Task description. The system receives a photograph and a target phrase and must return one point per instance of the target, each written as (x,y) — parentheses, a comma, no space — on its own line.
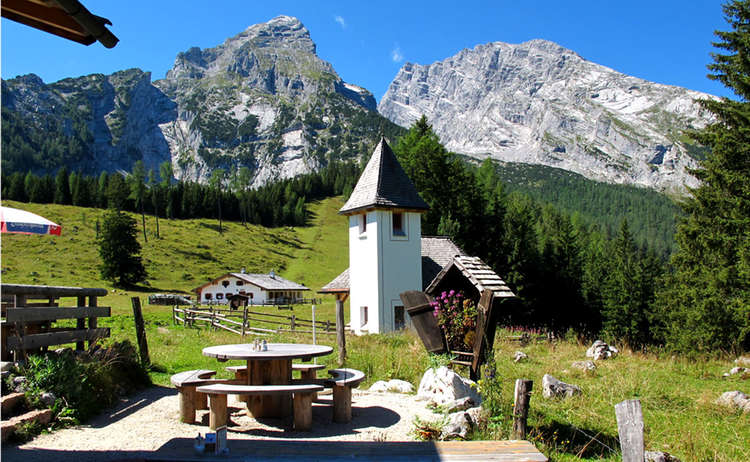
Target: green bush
(84,384)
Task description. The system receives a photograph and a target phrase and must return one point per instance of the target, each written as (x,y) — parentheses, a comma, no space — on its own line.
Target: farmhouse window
(362,315)
(219,296)
(225,283)
(208,296)
(229,295)
(398,224)
(240,283)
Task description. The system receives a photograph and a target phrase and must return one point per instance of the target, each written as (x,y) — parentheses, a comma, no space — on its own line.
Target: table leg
(273,372)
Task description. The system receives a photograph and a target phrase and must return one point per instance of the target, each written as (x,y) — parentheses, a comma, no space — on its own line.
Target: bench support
(303,411)
(187,403)
(342,404)
(217,416)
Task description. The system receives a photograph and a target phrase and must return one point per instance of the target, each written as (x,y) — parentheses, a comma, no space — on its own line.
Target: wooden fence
(29,313)
(243,321)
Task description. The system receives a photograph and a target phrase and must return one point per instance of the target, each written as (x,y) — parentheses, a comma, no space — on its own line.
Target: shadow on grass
(580,442)
(199,255)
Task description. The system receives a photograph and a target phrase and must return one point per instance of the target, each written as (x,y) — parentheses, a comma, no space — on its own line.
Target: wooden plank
(51,291)
(56,338)
(51,314)
(485,332)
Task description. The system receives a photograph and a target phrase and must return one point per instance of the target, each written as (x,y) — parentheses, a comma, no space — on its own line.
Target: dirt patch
(147,424)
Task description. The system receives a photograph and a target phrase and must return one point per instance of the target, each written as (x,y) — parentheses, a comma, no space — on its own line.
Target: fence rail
(244,321)
(29,313)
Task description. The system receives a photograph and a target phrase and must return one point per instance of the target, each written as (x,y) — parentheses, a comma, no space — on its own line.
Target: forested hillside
(651,215)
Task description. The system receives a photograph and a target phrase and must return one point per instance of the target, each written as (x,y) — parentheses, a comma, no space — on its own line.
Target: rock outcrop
(539,103)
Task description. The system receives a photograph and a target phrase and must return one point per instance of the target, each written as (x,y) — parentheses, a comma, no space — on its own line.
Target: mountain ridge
(540,103)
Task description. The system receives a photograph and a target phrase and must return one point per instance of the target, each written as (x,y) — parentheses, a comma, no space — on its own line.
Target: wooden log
(140,331)
(630,428)
(340,332)
(28,342)
(273,372)
(187,403)
(303,411)
(201,401)
(52,314)
(342,404)
(217,415)
(521,399)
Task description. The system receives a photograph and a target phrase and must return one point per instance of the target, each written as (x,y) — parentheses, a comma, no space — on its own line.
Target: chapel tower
(385,231)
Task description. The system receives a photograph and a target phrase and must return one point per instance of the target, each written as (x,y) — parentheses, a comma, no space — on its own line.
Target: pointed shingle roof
(383,184)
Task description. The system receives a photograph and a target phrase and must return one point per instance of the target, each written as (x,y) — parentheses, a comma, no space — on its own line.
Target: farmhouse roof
(383,184)
(339,285)
(269,281)
(476,271)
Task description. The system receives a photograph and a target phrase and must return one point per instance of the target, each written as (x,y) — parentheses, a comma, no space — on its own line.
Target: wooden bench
(307,371)
(190,400)
(342,382)
(302,400)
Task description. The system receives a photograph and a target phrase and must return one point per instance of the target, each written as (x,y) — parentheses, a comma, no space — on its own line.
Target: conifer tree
(137,180)
(708,302)
(120,251)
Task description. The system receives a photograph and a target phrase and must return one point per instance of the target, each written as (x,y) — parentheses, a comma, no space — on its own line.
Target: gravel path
(149,422)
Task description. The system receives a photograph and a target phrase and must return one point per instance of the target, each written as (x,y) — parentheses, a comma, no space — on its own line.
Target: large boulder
(551,387)
(735,400)
(458,426)
(443,386)
(600,350)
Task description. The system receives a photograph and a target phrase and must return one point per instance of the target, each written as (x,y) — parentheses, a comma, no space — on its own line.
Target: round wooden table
(270,367)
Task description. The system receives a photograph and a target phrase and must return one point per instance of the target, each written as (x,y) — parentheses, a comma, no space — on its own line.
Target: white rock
(585,366)
(461,405)
(393,386)
(735,399)
(444,386)
(520,356)
(381,386)
(458,426)
(600,350)
(551,387)
(657,456)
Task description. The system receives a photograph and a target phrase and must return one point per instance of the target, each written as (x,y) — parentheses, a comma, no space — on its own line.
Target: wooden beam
(485,331)
(51,314)
(28,342)
(49,19)
(50,291)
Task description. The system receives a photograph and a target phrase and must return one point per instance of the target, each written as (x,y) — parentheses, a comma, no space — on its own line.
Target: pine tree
(708,301)
(137,180)
(120,251)
(62,187)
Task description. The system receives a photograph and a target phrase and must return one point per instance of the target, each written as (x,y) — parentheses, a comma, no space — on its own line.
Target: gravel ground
(147,425)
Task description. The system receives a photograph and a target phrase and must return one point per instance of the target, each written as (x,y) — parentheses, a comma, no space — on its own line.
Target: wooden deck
(181,449)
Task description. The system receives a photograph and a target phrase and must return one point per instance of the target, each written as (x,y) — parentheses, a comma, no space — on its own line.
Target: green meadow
(677,394)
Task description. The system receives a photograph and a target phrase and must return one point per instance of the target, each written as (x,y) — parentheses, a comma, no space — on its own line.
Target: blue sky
(666,41)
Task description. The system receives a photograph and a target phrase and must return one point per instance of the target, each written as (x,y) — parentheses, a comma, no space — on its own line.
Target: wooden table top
(275,351)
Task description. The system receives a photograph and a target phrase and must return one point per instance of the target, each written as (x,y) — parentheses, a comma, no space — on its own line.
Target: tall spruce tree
(708,301)
(120,251)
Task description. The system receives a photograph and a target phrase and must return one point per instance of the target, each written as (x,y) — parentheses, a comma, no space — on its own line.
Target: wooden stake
(340,334)
(140,331)
(521,400)
(630,427)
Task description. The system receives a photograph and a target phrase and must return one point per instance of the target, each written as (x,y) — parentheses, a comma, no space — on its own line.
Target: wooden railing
(28,313)
(243,321)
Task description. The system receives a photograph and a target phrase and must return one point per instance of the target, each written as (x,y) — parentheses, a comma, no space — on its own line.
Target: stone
(520,356)
(19,384)
(392,386)
(735,400)
(460,405)
(478,416)
(48,398)
(458,426)
(743,361)
(600,350)
(657,456)
(551,387)
(585,366)
(43,417)
(444,386)
(9,402)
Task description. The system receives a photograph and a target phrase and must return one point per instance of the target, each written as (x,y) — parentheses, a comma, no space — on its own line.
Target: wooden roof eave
(370,208)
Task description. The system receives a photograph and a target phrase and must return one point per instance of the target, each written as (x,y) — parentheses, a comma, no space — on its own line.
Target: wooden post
(293,318)
(140,331)
(93,324)
(340,334)
(80,322)
(630,427)
(244,321)
(485,332)
(521,400)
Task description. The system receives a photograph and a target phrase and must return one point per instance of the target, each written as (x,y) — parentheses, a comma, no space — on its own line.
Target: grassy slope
(677,395)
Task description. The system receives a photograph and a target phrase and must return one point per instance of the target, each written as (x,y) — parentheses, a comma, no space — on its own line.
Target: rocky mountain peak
(540,103)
